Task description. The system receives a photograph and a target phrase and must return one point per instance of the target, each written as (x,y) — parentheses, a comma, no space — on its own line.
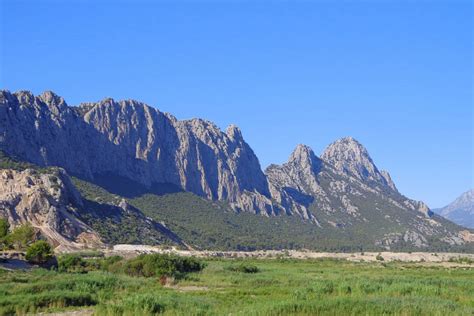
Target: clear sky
(396,75)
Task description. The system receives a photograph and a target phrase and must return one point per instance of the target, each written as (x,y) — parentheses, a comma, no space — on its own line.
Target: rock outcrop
(49,202)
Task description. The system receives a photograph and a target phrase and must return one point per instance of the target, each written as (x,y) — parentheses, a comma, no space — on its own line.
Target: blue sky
(396,75)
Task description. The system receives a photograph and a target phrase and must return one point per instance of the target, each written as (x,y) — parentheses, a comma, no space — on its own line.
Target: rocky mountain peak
(349,157)
(303,155)
(50,97)
(346,149)
(5,96)
(55,103)
(107,100)
(461,210)
(25,97)
(467,198)
(234,132)
(465,202)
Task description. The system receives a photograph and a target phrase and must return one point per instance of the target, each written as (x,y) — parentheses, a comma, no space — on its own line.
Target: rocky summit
(461,210)
(342,193)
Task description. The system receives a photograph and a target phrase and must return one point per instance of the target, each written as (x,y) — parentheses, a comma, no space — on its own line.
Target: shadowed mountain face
(461,210)
(131,149)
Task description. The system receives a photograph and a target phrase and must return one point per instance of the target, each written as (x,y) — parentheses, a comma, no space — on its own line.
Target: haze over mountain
(461,210)
(132,154)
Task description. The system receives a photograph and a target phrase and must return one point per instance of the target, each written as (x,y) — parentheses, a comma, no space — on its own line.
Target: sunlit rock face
(342,190)
(131,139)
(461,210)
(49,202)
(348,156)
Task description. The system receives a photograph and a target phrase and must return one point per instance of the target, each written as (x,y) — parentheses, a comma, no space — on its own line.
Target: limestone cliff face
(49,202)
(295,185)
(131,139)
(221,166)
(42,130)
(343,189)
(348,156)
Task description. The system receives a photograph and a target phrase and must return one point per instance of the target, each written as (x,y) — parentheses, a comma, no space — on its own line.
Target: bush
(108,263)
(156,265)
(22,236)
(39,252)
(465,260)
(379,257)
(4,226)
(72,263)
(244,268)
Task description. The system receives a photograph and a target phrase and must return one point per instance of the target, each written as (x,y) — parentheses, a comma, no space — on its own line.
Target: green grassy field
(280,287)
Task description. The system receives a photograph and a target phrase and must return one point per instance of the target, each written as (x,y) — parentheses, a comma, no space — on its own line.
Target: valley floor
(445,258)
(279,287)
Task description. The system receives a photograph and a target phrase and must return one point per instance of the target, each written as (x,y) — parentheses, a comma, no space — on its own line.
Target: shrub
(107,263)
(4,226)
(379,257)
(244,268)
(72,263)
(39,252)
(22,236)
(461,260)
(160,264)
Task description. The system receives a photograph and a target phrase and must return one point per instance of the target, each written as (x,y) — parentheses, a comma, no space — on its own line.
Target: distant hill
(461,210)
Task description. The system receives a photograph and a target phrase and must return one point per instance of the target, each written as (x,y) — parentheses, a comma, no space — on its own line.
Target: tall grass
(281,287)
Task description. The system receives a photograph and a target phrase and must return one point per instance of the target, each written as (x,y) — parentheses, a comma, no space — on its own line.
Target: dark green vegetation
(10,162)
(281,287)
(244,268)
(462,260)
(39,252)
(160,265)
(154,265)
(19,238)
(188,216)
(4,228)
(118,226)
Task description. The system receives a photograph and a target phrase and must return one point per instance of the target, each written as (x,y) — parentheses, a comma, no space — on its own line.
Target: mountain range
(461,210)
(124,172)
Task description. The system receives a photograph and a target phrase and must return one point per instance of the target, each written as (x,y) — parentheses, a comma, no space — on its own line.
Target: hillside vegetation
(205,224)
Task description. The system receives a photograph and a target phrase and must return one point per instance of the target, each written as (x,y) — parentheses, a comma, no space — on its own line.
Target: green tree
(22,236)
(39,252)
(4,226)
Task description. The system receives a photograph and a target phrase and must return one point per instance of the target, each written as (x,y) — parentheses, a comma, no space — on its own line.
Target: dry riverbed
(423,257)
